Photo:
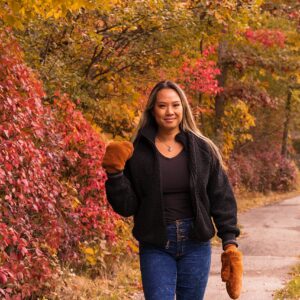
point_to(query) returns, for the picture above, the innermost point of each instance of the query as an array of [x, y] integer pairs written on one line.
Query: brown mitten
[[116, 155], [232, 270]]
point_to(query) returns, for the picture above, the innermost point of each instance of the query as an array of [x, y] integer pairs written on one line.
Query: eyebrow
[[162, 102]]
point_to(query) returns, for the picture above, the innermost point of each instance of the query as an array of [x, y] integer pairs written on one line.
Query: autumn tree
[[100, 57]]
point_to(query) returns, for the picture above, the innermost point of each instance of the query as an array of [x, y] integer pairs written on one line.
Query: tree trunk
[[220, 98], [201, 117], [284, 151]]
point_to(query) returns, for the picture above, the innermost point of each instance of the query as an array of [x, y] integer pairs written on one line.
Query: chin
[[169, 126]]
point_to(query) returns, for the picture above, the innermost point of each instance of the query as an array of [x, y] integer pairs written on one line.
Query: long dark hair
[[188, 122]]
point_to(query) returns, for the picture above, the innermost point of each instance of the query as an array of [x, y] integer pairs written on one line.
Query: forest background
[[76, 74]]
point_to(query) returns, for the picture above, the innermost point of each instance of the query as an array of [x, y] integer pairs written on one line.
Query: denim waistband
[[178, 231], [180, 221]]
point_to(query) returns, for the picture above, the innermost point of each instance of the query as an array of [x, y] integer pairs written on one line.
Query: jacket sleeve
[[120, 193], [223, 207]]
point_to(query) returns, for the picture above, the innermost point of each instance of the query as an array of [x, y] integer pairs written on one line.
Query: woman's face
[[167, 109]]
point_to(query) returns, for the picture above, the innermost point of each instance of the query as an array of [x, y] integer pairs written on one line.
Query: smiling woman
[[173, 183], [167, 113], [167, 110]]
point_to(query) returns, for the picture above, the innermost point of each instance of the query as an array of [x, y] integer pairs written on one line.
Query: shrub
[[52, 201], [262, 170]]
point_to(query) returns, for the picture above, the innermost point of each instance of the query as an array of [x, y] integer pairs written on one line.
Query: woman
[[172, 180]]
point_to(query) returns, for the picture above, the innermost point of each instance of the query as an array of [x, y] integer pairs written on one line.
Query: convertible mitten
[[116, 155], [232, 270]]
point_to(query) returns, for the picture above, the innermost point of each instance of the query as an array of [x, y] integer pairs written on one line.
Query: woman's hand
[[116, 155], [232, 270]]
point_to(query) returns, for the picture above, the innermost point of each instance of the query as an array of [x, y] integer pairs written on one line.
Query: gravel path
[[271, 246]]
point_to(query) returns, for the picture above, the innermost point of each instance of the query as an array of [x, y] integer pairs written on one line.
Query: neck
[[167, 135]]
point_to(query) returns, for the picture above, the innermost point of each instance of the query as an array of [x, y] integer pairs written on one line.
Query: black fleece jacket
[[137, 191]]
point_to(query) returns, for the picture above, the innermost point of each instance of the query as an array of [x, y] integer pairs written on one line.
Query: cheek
[[180, 111], [157, 113]]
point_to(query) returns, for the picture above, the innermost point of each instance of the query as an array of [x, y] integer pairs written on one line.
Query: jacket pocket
[[203, 225]]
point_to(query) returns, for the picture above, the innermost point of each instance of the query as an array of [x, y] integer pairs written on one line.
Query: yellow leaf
[[262, 72], [132, 246], [218, 17], [91, 260], [88, 250], [15, 6], [75, 202], [49, 14]]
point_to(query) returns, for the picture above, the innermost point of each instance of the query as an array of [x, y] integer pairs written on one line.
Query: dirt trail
[[271, 246]]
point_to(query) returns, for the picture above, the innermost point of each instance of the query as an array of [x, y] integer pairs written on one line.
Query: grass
[[292, 290], [123, 284], [248, 200]]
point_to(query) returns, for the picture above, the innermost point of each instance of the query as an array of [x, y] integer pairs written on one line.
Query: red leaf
[[24, 251], [3, 278]]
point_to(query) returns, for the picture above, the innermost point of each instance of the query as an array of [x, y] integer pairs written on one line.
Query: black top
[[136, 191], [174, 174]]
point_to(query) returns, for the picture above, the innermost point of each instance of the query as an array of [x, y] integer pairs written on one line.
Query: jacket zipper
[[193, 184], [160, 192], [161, 198]]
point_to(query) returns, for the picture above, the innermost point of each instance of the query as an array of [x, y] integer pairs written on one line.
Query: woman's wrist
[[115, 174], [229, 242], [229, 246]]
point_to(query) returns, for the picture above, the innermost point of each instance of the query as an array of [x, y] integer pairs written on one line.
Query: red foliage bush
[[200, 76], [267, 37], [51, 180], [262, 170]]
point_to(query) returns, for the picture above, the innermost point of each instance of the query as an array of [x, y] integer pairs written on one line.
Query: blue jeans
[[181, 267]]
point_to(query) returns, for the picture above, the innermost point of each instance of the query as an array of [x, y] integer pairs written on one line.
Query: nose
[[169, 110]]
